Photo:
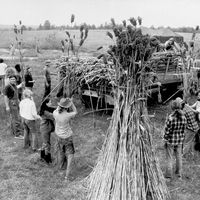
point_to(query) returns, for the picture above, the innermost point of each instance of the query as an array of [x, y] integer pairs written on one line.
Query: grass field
[[50, 39], [24, 177]]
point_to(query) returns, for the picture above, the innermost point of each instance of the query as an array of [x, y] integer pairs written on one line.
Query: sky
[[173, 13]]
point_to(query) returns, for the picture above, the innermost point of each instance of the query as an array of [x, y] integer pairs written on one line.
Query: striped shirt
[[174, 129]]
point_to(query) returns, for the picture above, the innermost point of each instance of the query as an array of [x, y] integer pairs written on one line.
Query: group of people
[[181, 133], [24, 118]]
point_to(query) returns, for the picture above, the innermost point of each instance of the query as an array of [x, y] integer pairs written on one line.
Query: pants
[[46, 145], [30, 134], [177, 150], [64, 147], [2, 82], [47, 90], [189, 141], [15, 120]]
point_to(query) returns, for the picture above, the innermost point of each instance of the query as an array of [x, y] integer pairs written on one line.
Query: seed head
[[82, 27], [72, 18], [68, 34], [99, 48], [109, 34], [133, 21], [139, 20], [124, 23], [113, 22]]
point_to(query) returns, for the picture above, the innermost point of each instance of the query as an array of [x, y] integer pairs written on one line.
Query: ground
[[24, 176]]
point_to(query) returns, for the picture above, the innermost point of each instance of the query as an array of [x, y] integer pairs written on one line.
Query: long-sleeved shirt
[[191, 119], [27, 109], [174, 129]]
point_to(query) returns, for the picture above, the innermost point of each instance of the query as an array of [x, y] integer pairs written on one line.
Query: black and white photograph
[[99, 100]]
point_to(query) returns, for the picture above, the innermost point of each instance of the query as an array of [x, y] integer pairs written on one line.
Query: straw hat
[[65, 102], [179, 100]]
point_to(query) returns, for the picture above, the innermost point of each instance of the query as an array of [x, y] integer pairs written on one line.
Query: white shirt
[[62, 127], [2, 69], [27, 109]]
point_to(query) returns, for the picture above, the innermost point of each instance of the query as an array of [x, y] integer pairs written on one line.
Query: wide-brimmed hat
[[179, 100], [65, 102]]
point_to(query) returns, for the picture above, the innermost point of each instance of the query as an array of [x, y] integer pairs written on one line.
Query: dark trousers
[[15, 120]]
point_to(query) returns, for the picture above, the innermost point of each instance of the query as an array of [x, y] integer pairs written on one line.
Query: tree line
[[48, 26]]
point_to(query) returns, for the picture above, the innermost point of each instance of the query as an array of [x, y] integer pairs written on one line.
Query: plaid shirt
[[191, 119], [174, 129]]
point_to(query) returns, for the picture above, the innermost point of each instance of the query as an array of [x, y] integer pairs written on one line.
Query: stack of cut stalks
[[162, 60], [89, 73], [127, 167]]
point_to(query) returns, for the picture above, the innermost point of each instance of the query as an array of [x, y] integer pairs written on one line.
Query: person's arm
[[194, 105], [167, 129], [6, 100], [34, 111], [74, 110]]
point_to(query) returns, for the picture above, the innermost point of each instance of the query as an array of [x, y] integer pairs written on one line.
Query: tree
[[47, 25]]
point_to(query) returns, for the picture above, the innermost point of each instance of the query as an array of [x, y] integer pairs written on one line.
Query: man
[[174, 137], [29, 116], [171, 45], [63, 131], [29, 82], [3, 67], [12, 106], [47, 79], [192, 127]]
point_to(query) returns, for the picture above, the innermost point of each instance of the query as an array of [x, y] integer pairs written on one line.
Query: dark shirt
[[18, 79], [9, 91], [47, 76], [28, 77]]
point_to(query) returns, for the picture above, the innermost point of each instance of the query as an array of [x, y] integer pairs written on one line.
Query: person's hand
[[8, 109], [39, 118]]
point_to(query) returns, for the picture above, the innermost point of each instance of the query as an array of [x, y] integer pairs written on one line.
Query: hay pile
[[127, 167]]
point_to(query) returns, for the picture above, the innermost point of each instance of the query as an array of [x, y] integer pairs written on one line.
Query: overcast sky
[[174, 13]]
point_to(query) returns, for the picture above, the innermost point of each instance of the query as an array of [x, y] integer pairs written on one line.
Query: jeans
[[177, 150], [30, 134], [189, 141]]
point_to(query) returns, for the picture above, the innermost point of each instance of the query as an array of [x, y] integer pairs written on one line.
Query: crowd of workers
[[181, 132], [20, 105]]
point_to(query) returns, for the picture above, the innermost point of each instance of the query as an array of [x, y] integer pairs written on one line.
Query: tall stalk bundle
[[127, 167]]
